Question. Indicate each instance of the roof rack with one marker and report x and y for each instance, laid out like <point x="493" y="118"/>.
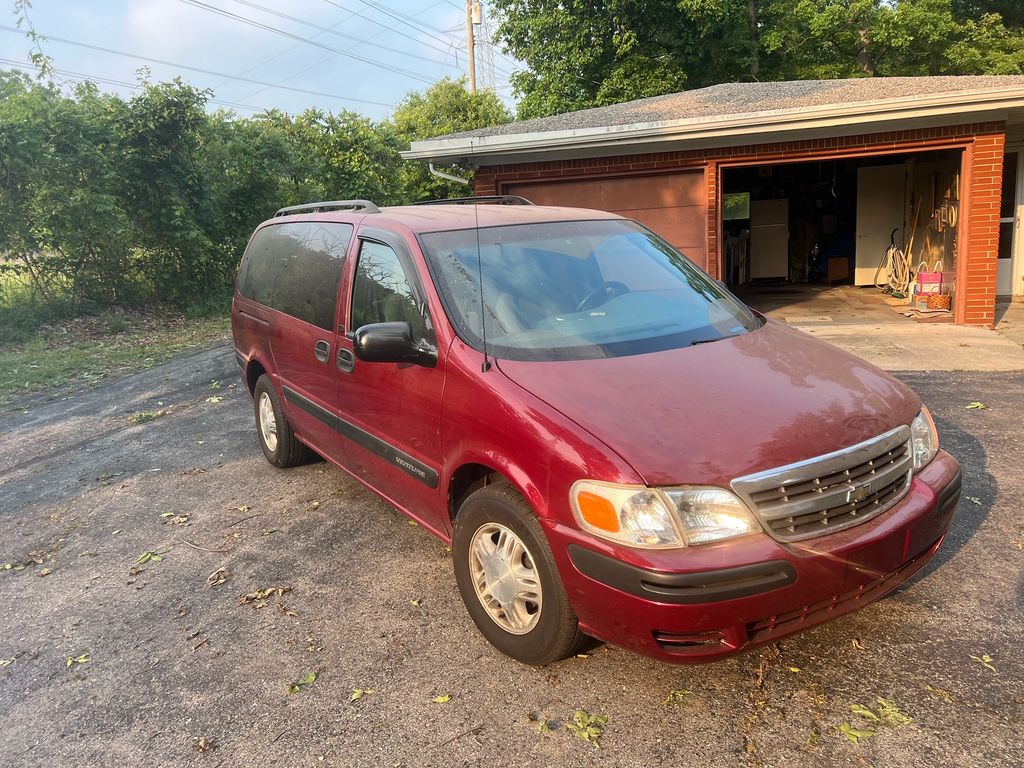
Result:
<point x="496" y="199"/>
<point x="334" y="205"/>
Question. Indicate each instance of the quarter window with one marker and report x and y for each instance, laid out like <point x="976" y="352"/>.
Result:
<point x="383" y="292"/>
<point x="296" y="268"/>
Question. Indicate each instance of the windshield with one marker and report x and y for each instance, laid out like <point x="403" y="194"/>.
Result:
<point x="576" y="290"/>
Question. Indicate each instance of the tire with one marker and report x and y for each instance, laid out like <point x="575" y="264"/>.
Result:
<point x="277" y="439"/>
<point x="493" y="516"/>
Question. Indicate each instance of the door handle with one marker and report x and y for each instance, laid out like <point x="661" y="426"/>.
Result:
<point x="346" y="360"/>
<point x="322" y="350"/>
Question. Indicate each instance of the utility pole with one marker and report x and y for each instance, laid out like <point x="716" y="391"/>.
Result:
<point x="471" y="45"/>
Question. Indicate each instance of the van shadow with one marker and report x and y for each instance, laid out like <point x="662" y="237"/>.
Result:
<point x="978" y="484"/>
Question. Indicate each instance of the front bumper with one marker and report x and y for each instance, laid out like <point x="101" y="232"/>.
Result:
<point x="712" y="601"/>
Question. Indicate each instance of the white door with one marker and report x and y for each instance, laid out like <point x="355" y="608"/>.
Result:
<point x="1010" y="274"/>
<point x="769" y="238"/>
<point x="881" y="195"/>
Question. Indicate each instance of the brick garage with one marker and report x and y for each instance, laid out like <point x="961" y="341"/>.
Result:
<point x="668" y="172"/>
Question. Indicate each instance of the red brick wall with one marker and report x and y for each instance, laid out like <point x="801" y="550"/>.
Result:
<point x="980" y="185"/>
<point x="979" y="232"/>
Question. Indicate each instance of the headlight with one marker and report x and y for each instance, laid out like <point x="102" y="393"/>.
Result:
<point x="924" y="440"/>
<point x="654" y="518"/>
<point x="710" y="514"/>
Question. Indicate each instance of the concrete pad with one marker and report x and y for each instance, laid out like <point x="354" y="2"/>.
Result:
<point x="924" y="347"/>
<point x="815" y="305"/>
<point x="1010" y="320"/>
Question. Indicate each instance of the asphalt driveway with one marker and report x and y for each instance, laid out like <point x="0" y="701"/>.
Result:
<point x="109" y="661"/>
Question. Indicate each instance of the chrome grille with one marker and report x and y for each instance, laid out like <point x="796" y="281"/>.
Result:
<point x="831" y="492"/>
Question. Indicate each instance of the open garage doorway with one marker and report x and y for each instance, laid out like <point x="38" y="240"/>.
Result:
<point x="809" y="239"/>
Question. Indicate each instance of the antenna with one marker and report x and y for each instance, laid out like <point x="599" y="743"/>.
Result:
<point x="486" y="366"/>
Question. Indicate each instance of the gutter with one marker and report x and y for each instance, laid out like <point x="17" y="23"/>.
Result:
<point x="961" y="105"/>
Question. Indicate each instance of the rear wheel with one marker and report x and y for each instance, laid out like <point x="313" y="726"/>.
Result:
<point x="508" y="578"/>
<point x="277" y="439"/>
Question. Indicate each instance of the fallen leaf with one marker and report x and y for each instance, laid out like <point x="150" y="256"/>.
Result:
<point x="985" y="660"/>
<point x="587" y="726"/>
<point x="974" y="500"/>
<point x="890" y="714"/>
<point x="260" y="596"/>
<point x="202" y="744"/>
<point x="858" y="645"/>
<point x="416" y="602"/>
<point x="315" y="505"/>
<point x="214" y="399"/>
<point x="154" y="556"/>
<point x="358" y="693"/>
<point x="7" y="662"/>
<point x="856" y="735"/>
<point x="444" y="698"/>
<point x="794" y="669"/>
<point x="865" y="712"/>
<point x="147" y="416"/>
<point x="82" y="658"/>
<point x="303" y="682"/>
<point x="939" y="692"/>
<point x="45" y="572"/>
<point x="218" y="577"/>
<point x="677" y="697"/>
<point x="115" y="532"/>
<point x="975" y="406"/>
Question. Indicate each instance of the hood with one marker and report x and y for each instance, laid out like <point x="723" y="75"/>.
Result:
<point x="709" y="413"/>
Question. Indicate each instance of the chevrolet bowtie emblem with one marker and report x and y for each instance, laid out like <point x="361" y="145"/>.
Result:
<point x="858" y="493"/>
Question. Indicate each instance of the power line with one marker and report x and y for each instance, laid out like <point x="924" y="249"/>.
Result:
<point x="323" y="61"/>
<point x="406" y="19"/>
<point x="331" y="30"/>
<point x="269" y="28"/>
<point x="196" y="69"/>
<point x="82" y="77"/>
<point x="419" y="41"/>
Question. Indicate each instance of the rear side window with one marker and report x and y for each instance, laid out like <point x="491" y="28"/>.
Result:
<point x="383" y="293"/>
<point x="296" y="268"/>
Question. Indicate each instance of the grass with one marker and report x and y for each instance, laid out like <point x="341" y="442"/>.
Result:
<point x="87" y="350"/>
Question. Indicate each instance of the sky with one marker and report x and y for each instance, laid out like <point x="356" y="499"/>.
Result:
<point x="362" y="55"/>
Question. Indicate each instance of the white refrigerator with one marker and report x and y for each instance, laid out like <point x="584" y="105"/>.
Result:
<point x="769" y="238"/>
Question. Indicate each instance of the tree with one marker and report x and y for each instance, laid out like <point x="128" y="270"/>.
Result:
<point x="587" y="53"/>
<point x="445" y="107"/>
<point x="61" y="221"/>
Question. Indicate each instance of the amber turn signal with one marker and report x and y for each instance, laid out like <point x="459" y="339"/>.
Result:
<point x="597" y="511"/>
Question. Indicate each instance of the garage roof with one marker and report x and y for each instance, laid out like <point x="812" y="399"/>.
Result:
<point x="725" y="110"/>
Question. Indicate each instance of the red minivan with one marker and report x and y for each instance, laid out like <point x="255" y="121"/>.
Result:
<point x="614" y="445"/>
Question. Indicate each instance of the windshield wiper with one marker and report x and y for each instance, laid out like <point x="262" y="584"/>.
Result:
<point x="695" y="342"/>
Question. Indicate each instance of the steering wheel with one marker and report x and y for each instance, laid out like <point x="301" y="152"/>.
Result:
<point x="606" y="291"/>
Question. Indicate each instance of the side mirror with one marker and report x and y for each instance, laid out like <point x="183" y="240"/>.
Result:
<point x="391" y="343"/>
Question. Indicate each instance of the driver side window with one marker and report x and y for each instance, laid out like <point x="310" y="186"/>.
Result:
<point x="383" y="293"/>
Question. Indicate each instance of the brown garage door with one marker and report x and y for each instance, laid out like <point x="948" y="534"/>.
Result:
<point x="672" y="204"/>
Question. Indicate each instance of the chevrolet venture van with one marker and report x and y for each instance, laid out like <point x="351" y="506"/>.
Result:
<point x="612" y="443"/>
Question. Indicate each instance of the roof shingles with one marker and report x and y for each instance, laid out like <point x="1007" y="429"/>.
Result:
<point x="751" y="98"/>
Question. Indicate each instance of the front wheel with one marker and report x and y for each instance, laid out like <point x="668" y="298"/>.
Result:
<point x="508" y="579"/>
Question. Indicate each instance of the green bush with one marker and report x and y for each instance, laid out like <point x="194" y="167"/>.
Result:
<point x="124" y="202"/>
